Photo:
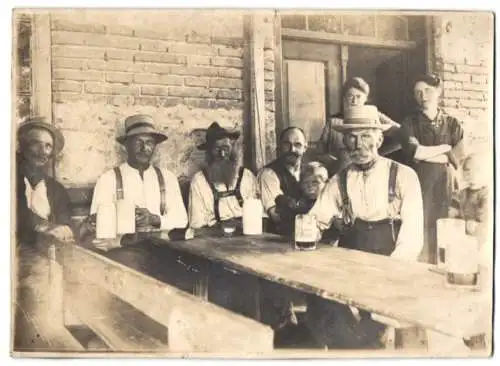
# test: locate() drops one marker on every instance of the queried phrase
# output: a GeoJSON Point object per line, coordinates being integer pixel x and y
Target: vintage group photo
{"type": "Point", "coordinates": [252, 183]}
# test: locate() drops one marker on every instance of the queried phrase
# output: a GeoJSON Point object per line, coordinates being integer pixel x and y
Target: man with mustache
{"type": "Point", "coordinates": [218, 190]}
{"type": "Point", "coordinates": [376, 204]}
{"type": "Point", "coordinates": [279, 181]}
{"type": "Point", "coordinates": [154, 191]}
{"type": "Point", "coordinates": [43, 204]}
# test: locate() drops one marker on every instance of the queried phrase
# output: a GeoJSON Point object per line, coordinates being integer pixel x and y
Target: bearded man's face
{"type": "Point", "coordinates": [223, 160]}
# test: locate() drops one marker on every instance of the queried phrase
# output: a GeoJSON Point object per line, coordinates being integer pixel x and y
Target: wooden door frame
{"type": "Point", "coordinates": [341, 40]}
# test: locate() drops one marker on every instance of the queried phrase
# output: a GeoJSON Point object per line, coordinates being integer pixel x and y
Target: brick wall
{"type": "Point", "coordinates": [463, 46]}
{"type": "Point", "coordinates": [184, 69]}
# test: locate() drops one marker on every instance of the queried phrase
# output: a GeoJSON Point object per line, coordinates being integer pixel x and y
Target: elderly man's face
{"type": "Point", "coordinates": [140, 148]}
{"type": "Point", "coordinates": [293, 146]}
{"type": "Point", "coordinates": [363, 144]}
{"type": "Point", "coordinates": [354, 97]}
{"type": "Point", "coordinates": [37, 147]}
{"type": "Point", "coordinates": [222, 150]}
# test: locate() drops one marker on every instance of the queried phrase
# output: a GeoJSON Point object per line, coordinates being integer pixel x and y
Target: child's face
{"type": "Point", "coordinates": [312, 186]}
{"type": "Point", "coordinates": [472, 174]}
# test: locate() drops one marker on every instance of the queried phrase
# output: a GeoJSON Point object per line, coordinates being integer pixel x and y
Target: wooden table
{"type": "Point", "coordinates": [407, 291]}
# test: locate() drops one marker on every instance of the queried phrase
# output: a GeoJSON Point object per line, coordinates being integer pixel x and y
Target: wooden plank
{"type": "Point", "coordinates": [278, 77]}
{"type": "Point", "coordinates": [38, 306]}
{"type": "Point", "coordinates": [257, 100]}
{"type": "Point", "coordinates": [113, 322]}
{"type": "Point", "coordinates": [322, 37]}
{"type": "Point", "coordinates": [406, 291]}
{"type": "Point", "coordinates": [41, 66]}
{"type": "Point", "coordinates": [200, 322]}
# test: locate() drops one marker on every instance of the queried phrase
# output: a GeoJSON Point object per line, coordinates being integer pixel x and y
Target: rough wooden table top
{"type": "Point", "coordinates": [407, 291]}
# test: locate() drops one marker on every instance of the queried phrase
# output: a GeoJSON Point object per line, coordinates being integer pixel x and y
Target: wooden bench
{"type": "Point", "coordinates": [132, 312]}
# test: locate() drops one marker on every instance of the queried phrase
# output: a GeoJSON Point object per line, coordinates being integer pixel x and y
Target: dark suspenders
{"type": "Point", "coordinates": [346, 202]}
{"type": "Point", "coordinates": [161, 182]}
{"type": "Point", "coordinates": [218, 195]}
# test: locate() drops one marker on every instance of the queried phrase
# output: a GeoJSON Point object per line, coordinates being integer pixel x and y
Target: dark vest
{"type": "Point", "coordinates": [288, 184]}
{"type": "Point", "coordinates": [60, 209]}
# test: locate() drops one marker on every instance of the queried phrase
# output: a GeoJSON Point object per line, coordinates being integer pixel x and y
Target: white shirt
{"type": "Point", "coordinates": [37, 199]}
{"type": "Point", "coordinates": [145, 193]}
{"type": "Point", "coordinates": [201, 199]}
{"type": "Point", "coordinates": [368, 193]}
{"type": "Point", "coordinates": [269, 185]}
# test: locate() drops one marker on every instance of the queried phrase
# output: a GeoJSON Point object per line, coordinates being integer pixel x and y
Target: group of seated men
{"type": "Point", "coordinates": [373, 205]}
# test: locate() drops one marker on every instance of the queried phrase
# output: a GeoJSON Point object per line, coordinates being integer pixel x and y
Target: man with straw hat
{"type": "Point", "coordinates": [154, 191]}
{"type": "Point", "coordinates": [376, 204]}
{"type": "Point", "coordinates": [42, 203]}
{"type": "Point", "coordinates": [43, 208]}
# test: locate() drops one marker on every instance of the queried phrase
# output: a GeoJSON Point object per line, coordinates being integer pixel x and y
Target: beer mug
{"type": "Point", "coordinates": [306, 232]}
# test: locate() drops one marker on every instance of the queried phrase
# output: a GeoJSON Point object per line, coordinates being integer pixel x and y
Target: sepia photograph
{"type": "Point", "coordinates": [272, 183]}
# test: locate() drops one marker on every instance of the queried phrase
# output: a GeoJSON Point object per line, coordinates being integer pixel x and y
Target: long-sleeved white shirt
{"type": "Point", "coordinates": [368, 193]}
{"type": "Point", "coordinates": [201, 199]}
{"type": "Point", "coordinates": [269, 186]}
{"type": "Point", "coordinates": [145, 193]}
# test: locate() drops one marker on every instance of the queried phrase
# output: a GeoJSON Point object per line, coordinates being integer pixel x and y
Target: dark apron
{"type": "Point", "coordinates": [332, 324]}
{"type": "Point", "coordinates": [437, 185]}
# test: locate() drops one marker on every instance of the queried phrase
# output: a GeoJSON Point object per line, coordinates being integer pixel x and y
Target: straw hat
{"type": "Point", "coordinates": [363, 116]}
{"type": "Point", "coordinates": [140, 124]}
{"type": "Point", "coordinates": [39, 122]}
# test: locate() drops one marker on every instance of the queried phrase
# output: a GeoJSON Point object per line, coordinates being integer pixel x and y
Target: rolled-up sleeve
{"type": "Point", "coordinates": [328, 205]}
{"type": "Point", "coordinates": [176, 215]}
{"type": "Point", "coordinates": [410, 239]}
{"type": "Point", "coordinates": [269, 186]}
{"type": "Point", "coordinates": [404, 135]}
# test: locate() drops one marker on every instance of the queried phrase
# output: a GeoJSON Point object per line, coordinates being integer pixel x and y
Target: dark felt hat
{"type": "Point", "coordinates": [39, 122]}
{"type": "Point", "coordinates": [216, 132]}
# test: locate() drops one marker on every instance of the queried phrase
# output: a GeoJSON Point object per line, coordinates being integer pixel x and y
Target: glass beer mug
{"type": "Point", "coordinates": [306, 232]}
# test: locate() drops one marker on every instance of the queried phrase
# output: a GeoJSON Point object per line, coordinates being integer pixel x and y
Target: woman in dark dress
{"type": "Point", "coordinates": [432, 141]}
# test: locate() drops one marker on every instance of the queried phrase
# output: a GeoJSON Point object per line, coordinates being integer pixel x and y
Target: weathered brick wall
{"type": "Point", "coordinates": [463, 56]}
{"type": "Point", "coordinates": [183, 68]}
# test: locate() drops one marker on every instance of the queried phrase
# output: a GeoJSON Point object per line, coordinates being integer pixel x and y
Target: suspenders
{"type": "Point", "coordinates": [218, 195]}
{"type": "Point", "coordinates": [346, 202]}
{"type": "Point", "coordinates": [161, 182]}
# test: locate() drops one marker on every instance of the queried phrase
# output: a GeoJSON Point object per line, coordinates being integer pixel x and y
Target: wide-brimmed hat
{"type": "Point", "coordinates": [39, 122]}
{"type": "Point", "coordinates": [216, 132]}
{"type": "Point", "coordinates": [141, 124]}
{"type": "Point", "coordinates": [360, 117]}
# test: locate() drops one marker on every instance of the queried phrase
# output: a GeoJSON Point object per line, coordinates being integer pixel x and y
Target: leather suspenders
{"type": "Point", "coordinates": [218, 195]}
{"type": "Point", "coordinates": [346, 202]}
{"type": "Point", "coordinates": [161, 182]}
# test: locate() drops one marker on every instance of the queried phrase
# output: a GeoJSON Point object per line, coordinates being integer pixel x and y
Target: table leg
{"type": "Point", "coordinates": [201, 284]}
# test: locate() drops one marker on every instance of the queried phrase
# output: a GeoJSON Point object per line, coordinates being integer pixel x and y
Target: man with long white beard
{"type": "Point", "coordinates": [216, 198]}
{"type": "Point", "coordinates": [217, 191]}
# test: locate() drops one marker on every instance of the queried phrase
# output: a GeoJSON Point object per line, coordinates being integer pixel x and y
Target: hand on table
{"type": "Point", "coordinates": [144, 218]}
{"type": "Point", "coordinates": [471, 227]}
{"type": "Point", "coordinates": [62, 233]}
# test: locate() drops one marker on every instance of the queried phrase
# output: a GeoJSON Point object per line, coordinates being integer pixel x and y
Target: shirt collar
{"type": "Point", "coordinates": [295, 172]}
{"type": "Point", "coordinates": [436, 121]}
{"type": "Point", "coordinates": [126, 165]}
